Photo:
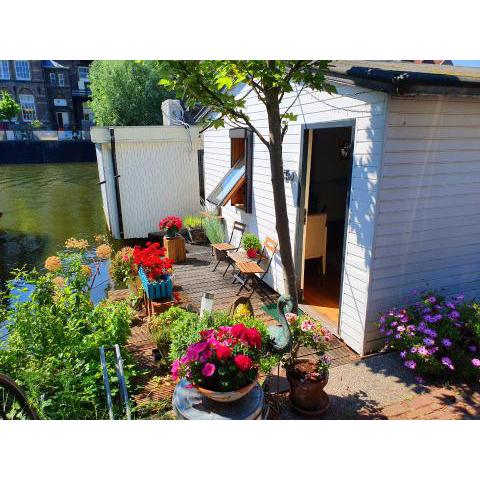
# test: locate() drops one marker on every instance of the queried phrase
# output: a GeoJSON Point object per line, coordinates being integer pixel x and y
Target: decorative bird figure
{"type": "Point", "coordinates": [280, 334]}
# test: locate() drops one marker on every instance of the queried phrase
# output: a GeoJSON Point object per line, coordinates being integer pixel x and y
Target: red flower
{"type": "Point", "coordinates": [170, 223]}
{"type": "Point", "coordinates": [223, 352]}
{"type": "Point", "coordinates": [238, 330]}
{"type": "Point", "coordinates": [253, 337]}
{"type": "Point", "coordinates": [152, 259]}
{"type": "Point", "coordinates": [243, 362]}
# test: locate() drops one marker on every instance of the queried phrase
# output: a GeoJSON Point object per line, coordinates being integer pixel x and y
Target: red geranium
{"type": "Point", "coordinates": [223, 352]}
{"type": "Point", "coordinates": [243, 362]}
{"type": "Point", "coordinates": [170, 224]}
{"type": "Point", "coordinates": [253, 337]}
{"type": "Point", "coordinates": [238, 330]}
{"type": "Point", "coordinates": [152, 260]}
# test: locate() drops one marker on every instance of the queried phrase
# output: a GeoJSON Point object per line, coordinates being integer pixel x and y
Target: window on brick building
{"type": "Point", "coordinates": [22, 70]}
{"type": "Point", "coordinates": [4, 70]}
{"type": "Point", "coordinates": [27, 103]}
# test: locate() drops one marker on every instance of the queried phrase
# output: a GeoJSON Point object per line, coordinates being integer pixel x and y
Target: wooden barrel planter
{"type": "Point", "coordinates": [175, 247]}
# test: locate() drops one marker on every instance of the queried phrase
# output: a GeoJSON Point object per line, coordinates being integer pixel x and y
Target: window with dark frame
{"type": "Point", "coordinates": [236, 185]}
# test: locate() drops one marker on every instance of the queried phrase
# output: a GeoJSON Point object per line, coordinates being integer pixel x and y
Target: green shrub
{"type": "Point", "coordinates": [52, 347]}
{"type": "Point", "coordinates": [193, 221]}
{"type": "Point", "coordinates": [214, 230]}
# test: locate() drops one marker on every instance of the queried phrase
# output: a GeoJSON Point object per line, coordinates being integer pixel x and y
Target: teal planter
{"type": "Point", "coordinates": [160, 290]}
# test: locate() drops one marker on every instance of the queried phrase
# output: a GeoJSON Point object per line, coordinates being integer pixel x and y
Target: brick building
{"type": "Point", "coordinates": [53, 92]}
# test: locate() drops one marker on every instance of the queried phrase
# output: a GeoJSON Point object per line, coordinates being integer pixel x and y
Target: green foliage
{"type": "Point", "coordinates": [214, 230]}
{"type": "Point", "coordinates": [210, 83]}
{"type": "Point", "coordinates": [36, 124]}
{"type": "Point", "coordinates": [250, 240]}
{"type": "Point", "coordinates": [53, 341]}
{"type": "Point", "coordinates": [126, 92]}
{"type": "Point", "coordinates": [185, 328]}
{"type": "Point", "coordinates": [9, 108]}
{"type": "Point", "coordinates": [193, 221]}
{"type": "Point", "coordinates": [122, 268]}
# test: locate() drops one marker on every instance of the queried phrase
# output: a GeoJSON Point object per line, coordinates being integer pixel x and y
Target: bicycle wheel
{"type": "Point", "coordinates": [13, 402]}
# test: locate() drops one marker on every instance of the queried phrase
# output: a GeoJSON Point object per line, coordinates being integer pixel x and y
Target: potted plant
{"type": "Point", "coordinates": [124, 271]}
{"type": "Point", "coordinates": [215, 233]}
{"type": "Point", "coordinates": [171, 225]}
{"type": "Point", "coordinates": [308, 378]}
{"type": "Point", "coordinates": [251, 245]}
{"type": "Point", "coordinates": [155, 270]}
{"type": "Point", "coordinates": [224, 364]}
{"type": "Point", "coordinates": [194, 226]}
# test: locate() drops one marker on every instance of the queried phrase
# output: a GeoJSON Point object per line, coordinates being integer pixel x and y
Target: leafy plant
{"type": "Point", "coordinates": [122, 267]}
{"type": "Point", "coordinates": [185, 328]}
{"type": "Point", "coordinates": [214, 230]}
{"type": "Point", "coordinates": [251, 241]}
{"type": "Point", "coordinates": [126, 92]}
{"type": "Point", "coordinates": [9, 108]}
{"type": "Point", "coordinates": [193, 221]}
{"type": "Point", "coordinates": [436, 335]}
{"type": "Point", "coordinates": [52, 347]}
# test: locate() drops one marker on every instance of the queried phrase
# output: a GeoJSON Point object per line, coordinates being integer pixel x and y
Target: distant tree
{"type": "Point", "coordinates": [126, 92]}
{"type": "Point", "coordinates": [210, 82]}
{"type": "Point", "coordinates": [9, 108]}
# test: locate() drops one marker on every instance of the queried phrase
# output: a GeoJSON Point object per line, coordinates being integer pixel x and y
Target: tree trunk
{"type": "Point", "coordinates": [279, 199]}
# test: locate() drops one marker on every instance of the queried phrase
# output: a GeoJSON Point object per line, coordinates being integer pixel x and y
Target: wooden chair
{"type": "Point", "coordinates": [221, 249]}
{"type": "Point", "coordinates": [316, 238]}
{"type": "Point", "coordinates": [253, 272]}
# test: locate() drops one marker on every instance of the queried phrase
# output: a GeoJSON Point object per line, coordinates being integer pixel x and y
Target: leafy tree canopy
{"type": "Point", "coordinates": [9, 108]}
{"type": "Point", "coordinates": [126, 92]}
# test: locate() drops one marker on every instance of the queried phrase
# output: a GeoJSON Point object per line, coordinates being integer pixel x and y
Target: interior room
{"type": "Point", "coordinates": [328, 184]}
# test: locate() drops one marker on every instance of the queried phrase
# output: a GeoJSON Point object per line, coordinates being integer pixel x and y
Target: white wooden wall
{"type": "Point", "coordinates": [368, 109]}
{"type": "Point", "coordinates": [428, 216]}
{"type": "Point", "coordinates": [158, 170]}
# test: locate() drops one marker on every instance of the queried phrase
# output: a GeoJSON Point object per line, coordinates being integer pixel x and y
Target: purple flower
{"type": "Point", "coordinates": [428, 341]}
{"type": "Point", "coordinates": [208, 370]}
{"type": "Point", "coordinates": [422, 326]}
{"type": "Point", "coordinates": [472, 348]}
{"type": "Point", "coordinates": [446, 342]}
{"type": "Point", "coordinates": [431, 299]}
{"type": "Point", "coordinates": [454, 315]}
{"type": "Point", "coordinates": [410, 364]}
{"type": "Point", "coordinates": [432, 350]}
{"type": "Point", "coordinates": [382, 330]}
{"type": "Point", "coordinates": [476, 362]}
{"type": "Point", "coordinates": [420, 379]}
{"type": "Point", "coordinates": [448, 363]}
{"type": "Point", "coordinates": [389, 333]}
{"type": "Point", "coordinates": [428, 318]}
{"type": "Point", "coordinates": [451, 305]}
{"type": "Point", "coordinates": [400, 328]}
{"type": "Point", "coordinates": [394, 324]}
{"type": "Point", "coordinates": [411, 328]}
{"type": "Point", "coordinates": [382, 320]}
{"type": "Point", "coordinates": [459, 297]}
{"type": "Point", "coordinates": [423, 351]}
{"type": "Point", "coordinates": [437, 317]}
{"type": "Point", "coordinates": [403, 354]}
{"type": "Point", "coordinates": [430, 332]}
{"type": "Point", "coordinates": [427, 310]}
{"type": "Point", "coordinates": [397, 336]}
{"type": "Point", "coordinates": [413, 350]}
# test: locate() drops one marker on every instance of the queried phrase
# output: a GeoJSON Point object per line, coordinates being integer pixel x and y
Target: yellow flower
{"type": "Point", "coordinates": [59, 282]}
{"type": "Point", "coordinates": [52, 264]}
{"type": "Point", "coordinates": [80, 244]}
{"type": "Point", "coordinates": [242, 311]}
{"type": "Point", "coordinates": [99, 238]}
{"type": "Point", "coordinates": [104, 251]}
{"type": "Point", "coordinates": [86, 270]}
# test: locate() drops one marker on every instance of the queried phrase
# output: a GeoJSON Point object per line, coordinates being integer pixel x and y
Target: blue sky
{"type": "Point", "coordinates": [467, 63]}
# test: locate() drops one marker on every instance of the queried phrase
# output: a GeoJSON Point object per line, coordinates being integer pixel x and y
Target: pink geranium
{"type": "Point", "coordinates": [208, 369]}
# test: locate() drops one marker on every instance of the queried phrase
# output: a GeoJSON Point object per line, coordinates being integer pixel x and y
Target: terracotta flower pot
{"type": "Point", "coordinates": [226, 397]}
{"type": "Point", "coordinates": [308, 398]}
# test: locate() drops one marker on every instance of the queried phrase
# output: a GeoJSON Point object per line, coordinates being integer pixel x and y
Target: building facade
{"type": "Point", "coordinates": [53, 92]}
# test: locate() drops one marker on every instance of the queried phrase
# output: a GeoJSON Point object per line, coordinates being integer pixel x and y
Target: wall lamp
{"type": "Point", "coordinates": [289, 175]}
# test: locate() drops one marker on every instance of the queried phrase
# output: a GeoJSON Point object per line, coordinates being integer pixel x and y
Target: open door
{"type": "Point", "coordinates": [327, 193]}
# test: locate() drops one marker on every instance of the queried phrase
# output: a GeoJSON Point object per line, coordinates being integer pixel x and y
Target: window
{"type": "Point", "coordinates": [22, 70]}
{"type": "Point", "coordinates": [236, 185]}
{"type": "Point", "coordinates": [61, 80]}
{"type": "Point", "coordinates": [27, 102]}
{"type": "Point", "coordinates": [4, 70]}
{"type": "Point", "coordinates": [83, 73]}
{"type": "Point", "coordinates": [53, 79]}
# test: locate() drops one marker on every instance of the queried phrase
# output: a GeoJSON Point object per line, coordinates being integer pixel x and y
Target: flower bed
{"type": "Point", "coordinates": [436, 335]}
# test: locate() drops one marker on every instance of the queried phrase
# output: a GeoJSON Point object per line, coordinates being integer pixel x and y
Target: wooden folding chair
{"type": "Point", "coordinates": [253, 272]}
{"type": "Point", "coordinates": [221, 249]}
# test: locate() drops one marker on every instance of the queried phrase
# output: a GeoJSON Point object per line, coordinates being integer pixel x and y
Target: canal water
{"type": "Point", "coordinates": [44, 204]}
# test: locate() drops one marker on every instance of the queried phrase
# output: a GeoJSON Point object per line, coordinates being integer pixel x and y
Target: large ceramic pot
{"type": "Point", "coordinates": [308, 398]}
{"type": "Point", "coordinates": [226, 397]}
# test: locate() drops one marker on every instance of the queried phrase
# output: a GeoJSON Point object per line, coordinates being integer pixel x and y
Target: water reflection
{"type": "Point", "coordinates": [43, 205]}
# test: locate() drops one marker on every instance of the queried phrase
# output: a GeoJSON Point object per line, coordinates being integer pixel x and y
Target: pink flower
{"type": "Point", "coordinates": [208, 370]}
{"type": "Point", "coordinates": [175, 369]}
{"type": "Point", "coordinates": [306, 325]}
{"type": "Point", "coordinates": [476, 362]}
{"type": "Point", "coordinates": [291, 317]}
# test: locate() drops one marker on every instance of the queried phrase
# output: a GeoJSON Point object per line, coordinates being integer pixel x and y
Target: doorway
{"type": "Point", "coordinates": [327, 193]}
{"type": "Point", "coordinates": [62, 120]}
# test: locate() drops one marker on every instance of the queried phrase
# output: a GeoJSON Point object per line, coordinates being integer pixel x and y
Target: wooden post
{"type": "Point", "coordinates": [175, 248]}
